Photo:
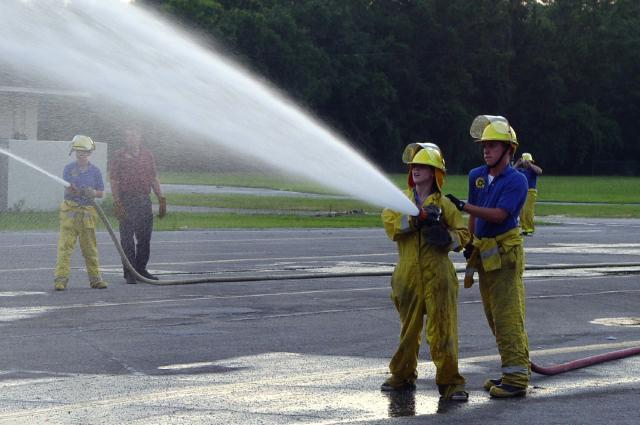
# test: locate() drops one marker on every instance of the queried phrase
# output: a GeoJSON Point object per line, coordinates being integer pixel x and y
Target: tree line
{"type": "Point", "coordinates": [385, 73]}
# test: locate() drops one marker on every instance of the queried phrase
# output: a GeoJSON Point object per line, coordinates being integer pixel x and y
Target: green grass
{"type": "Point", "coordinates": [596, 211]}
{"type": "Point", "coordinates": [269, 202]}
{"type": "Point", "coordinates": [615, 191]}
{"type": "Point", "coordinates": [190, 221]}
{"type": "Point", "coordinates": [18, 221]}
{"type": "Point", "coordinates": [589, 189]}
{"type": "Point", "coordinates": [608, 189]}
{"type": "Point", "coordinates": [242, 179]}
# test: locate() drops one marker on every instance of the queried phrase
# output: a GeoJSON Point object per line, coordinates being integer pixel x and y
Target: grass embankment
{"type": "Point", "coordinates": [616, 192]}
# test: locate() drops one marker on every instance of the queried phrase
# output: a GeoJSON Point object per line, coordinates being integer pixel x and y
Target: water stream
{"type": "Point", "coordinates": [128, 56]}
{"type": "Point", "coordinates": [35, 167]}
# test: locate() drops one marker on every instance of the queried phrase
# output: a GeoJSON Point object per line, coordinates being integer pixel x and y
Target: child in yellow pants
{"type": "Point", "coordinates": [78, 215]}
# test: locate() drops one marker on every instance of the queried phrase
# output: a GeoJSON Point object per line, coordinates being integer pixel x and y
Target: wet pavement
{"type": "Point", "coordinates": [311, 351]}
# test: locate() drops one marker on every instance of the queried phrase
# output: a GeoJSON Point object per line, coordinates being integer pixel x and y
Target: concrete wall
{"type": "Point", "coordinates": [23, 188]}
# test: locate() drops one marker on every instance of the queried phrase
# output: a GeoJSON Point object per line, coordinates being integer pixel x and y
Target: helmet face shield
{"type": "Point", "coordinates": [493, 127]}
{"type": "Point", "coordinates": [82, 144]}
{"type": "Point", "coordinates": [482, 121]}
{"type": "Point", "coordinates": [412, 149]}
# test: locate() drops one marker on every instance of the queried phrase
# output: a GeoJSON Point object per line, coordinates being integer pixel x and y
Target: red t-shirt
{"type": "Point", "coordinates": [133, 174]}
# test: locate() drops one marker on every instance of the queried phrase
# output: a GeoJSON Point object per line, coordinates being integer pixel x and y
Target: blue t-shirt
{"type": "Point", "coordinates": [508, 191]}
{"type": "Point", "coordinates": [532, 177]}
{"type": "Point", "coordinates": [92, 178]}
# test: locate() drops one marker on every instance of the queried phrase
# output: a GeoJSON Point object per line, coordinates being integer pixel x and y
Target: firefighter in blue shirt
{"type": "Point", "coordinates": [78, 216]}
{"type": "Point", "coordinates": [496, 194]}
{"type": "Point", "coordinates": [531, 171]}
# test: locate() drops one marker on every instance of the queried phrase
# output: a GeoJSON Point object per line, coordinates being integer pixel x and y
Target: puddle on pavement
{"type": "Point", "coordinates": [617, 321]}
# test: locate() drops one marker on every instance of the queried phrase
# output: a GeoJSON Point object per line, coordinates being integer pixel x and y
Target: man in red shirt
{"type": "Point", "coordinates": [133, 175]}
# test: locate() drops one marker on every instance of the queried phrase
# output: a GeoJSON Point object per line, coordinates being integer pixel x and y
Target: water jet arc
{"type": "Point", "coordinates": [143, 65]}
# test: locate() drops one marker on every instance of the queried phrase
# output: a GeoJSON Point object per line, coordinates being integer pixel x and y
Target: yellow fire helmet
{"type": "Point", "coordinates": [493, 127]}
{"type": "Point", "coordinates": [82, 143]}
{"type": "Point", "coordinates": [527, 157]}
{"type": "Point", "coordinates": [412, 149]}
{"type": "Point", "coordinates": [428, 155]}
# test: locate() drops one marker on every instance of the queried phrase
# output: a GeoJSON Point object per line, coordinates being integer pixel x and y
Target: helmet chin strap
{"type": "Point", "coordinates": [499, 160]}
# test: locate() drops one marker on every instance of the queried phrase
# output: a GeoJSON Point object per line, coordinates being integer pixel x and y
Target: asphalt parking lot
{"type": "Point", "coordinates": [304, 351]}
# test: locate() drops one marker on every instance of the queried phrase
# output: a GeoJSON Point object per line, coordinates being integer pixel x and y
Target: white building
{"type": "Point", "coordinates": [21, 187]}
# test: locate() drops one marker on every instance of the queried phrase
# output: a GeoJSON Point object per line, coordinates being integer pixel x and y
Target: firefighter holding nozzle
{"type": "Point", "coordinates": [424, 282]}
{"type": "Point", "coordinates": [78, 215]}
{"type": "Point", "coordinates": [497, 193]}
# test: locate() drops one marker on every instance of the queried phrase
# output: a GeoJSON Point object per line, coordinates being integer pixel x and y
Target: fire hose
{"type": "Point", "coordinates": [551, 370]}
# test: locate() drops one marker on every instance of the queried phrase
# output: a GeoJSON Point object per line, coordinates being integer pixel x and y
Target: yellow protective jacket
{"type": "Point", "coordinates": [399, 227]}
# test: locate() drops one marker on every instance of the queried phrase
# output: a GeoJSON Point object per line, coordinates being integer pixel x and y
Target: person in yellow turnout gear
{"type": "Point", "coordinates": [496, 195]}
{"type": "Point", "coordinates": [77, 215]}
{"type": "Point", "coordinates": [531, 171]}
{"type": "Point", "coordinates": [424, 282]}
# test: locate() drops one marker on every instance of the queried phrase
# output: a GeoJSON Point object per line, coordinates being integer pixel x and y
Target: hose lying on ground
{"type": "Point", "coordinates": [587, 361]}
{"type": "Point", "coordinates": [263, 277]}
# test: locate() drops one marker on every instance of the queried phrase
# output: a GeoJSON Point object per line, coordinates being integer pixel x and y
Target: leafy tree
{"type": "Point", "coordinates": [389, 72]}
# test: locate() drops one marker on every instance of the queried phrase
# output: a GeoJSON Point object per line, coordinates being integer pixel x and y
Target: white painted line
{"type": "Point", "coordinates": [20, 293]}
{"type": "Point", "coordinates": [17, 313]}
{"type": "Point", "coordinates": [201, 241]}
{"type": "Point", "coordinates": [184, 366]}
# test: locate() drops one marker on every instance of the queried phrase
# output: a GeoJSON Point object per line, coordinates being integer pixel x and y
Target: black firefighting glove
{"type": "Point", "coordinates": [437, 235]}
{"type": "Point", "coordinates": [457, 202]}
{"type": "Point", "coordinates": [87, 193]}
{"type": "Point", "coordinates": [468, 251]}
{"type": "Point", "coordinates": [433, 214]}
{"type": "Point", "coordinates": [435, 232]}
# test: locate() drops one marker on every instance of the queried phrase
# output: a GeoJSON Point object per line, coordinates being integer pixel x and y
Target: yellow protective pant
{"type": "Point", "coordinates": [77, 223]}
{"type": "Point", "coordinates": [503, 298]}
{"type": "Point", "coordinates": [528, 211]}
{"type": "Point", "coordinates": [431, 291]}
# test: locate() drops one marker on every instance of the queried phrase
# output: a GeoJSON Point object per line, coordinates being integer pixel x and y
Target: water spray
{"type": "Point", "coordinates": [127, 57]}
{"type": "Point", "coordinates": [35, 167]}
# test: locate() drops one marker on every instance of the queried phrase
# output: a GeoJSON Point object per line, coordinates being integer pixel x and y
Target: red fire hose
{"type": "Point", "coordinates": [587, 361]}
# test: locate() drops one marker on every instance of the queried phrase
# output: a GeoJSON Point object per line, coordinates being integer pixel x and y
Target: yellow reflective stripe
{"type": "Point", "coordinates": [485, 255]}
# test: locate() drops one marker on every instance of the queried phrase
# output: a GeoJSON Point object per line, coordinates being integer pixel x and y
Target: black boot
{"type": "Point", "coordinates": [145, 273]}
{"type": "Point", "coordinates": [129, 278]}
